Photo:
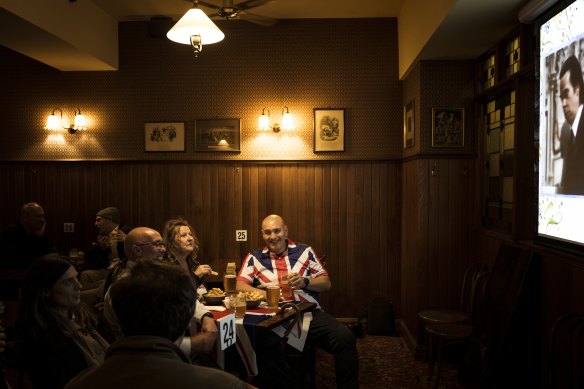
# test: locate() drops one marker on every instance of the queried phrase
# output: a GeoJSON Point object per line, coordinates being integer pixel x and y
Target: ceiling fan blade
{"type": "Point", "coordinates": [257, 19]}
{"type": "Point", "coordinates": [209, 5]}
{"type": "Point", "coordinates": [251, 4]}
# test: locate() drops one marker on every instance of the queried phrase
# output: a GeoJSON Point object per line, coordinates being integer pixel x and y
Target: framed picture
{"type": "Point", "coordinates": [162, 137]}
{"type": "Point", "coordinates": [409, 125]}
{"type": "Point", "coordinates": [217, 135]}
{"type": "Point", "coordinates": [447, 127]}
{"type": "Point", "coordinates": [329, 129]}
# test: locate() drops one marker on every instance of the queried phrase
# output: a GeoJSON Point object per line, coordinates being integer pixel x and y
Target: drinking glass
{"type": "Point", "coordinates": [273, 296]}
{"type": "Point", "coordinates": [229, 283]}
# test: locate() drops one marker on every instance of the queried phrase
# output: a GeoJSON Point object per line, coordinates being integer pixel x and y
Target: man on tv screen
{"type": "Point", "coordinates": [572, 133]}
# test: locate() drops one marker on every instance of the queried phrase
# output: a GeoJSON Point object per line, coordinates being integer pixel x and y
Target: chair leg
{"type": "Point", "coordinates": [440, 360]}
{"type": "Point", "coordinates": [430, 354]}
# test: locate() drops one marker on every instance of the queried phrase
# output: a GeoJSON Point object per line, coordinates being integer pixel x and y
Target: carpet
{"type": "Point", "coordinates": [385, 361]}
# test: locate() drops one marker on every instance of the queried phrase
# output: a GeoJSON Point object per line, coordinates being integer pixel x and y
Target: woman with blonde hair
{"type": "Point", "coordinates": [182, 248]}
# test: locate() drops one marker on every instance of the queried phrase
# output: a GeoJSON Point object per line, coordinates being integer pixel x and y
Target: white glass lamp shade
{"type": "Point", "coordinates": [264, 122]}
{"type": "Point", "coordinates": [287, 121]}
{"type": "Point", "coordinates": [54, 123]}
{"type": "Point", "coordinates": [195, 22]}
{"type": "Point", "coordinates": [80, 122]}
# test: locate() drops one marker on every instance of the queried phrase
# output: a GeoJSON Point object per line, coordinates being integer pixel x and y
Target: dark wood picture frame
{"type": "Point", "coordinates": [329, 129]}
{"type": "Point", "coordinates": [218, 135]}
{"type": "Point", "coordinates": [164, 137]}
{"type": "Point", "coordinates": [447, 127]}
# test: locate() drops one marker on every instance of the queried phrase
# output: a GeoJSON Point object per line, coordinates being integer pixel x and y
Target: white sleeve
{"type": "Point", "coordinates": [200, 310]}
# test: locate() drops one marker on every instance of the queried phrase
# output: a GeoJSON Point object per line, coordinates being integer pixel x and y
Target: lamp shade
{"type": "Point", "coordinates": [287, 121]}
{"type": "Point", "coordinates": [195, 22]}
{"type": "Point", "coordinates": [264, 122]}
{"type": "Point", "coordinates": [53, 123]}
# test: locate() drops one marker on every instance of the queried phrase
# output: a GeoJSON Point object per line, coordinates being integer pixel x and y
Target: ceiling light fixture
{"type": "Point", "coordinates": [264, 121]}
{"type": "Point", "coordinates": [195, 29]}
{"type": "Point", "coordinates": [55, 123]}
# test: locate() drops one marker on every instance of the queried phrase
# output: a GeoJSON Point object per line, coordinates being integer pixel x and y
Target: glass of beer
{"type": "Point", "coordinates": [229, 282]}
{"type": "Point", "coordinates": [273, 296]}
{"type": "Point", "coordinates": [286, 290]}
{"type": "Point", "coordinates": [237, 305]}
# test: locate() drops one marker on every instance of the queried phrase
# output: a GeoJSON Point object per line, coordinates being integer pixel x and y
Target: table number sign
{"type": "Point", "coordinates": [227, 333]}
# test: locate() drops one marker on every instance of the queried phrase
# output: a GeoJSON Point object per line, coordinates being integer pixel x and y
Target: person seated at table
{"type": "Point", "coordinates": [56, 330]}
{"type": "Point", "coordinates": [182, 248]}
{"type": "Point", "coordinates": [26, 240]}
{"type": "Point", "coordinates": [144, 244]}
{"type": "Point", "coordinates": [107, 251]}
{"type": "Point", "coordinates": [296, 265]}
{"type": "Point", "coordinates": [154, 306]}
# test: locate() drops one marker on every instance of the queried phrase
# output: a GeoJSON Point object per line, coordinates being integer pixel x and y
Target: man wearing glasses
{"type": "Point", "coordinates": [146, 244]}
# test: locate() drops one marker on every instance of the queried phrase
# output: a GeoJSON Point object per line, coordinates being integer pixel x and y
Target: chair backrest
{"type": "Point", "coordinates": [566, 350]}
{"type": "Point", "coordinates": [468, 284]}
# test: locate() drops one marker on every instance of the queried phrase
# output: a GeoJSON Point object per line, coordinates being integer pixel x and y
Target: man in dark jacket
{"type": "Point", "coordinates": [24, 241]}
{"type": "Point", "coordinates": [154, 306]}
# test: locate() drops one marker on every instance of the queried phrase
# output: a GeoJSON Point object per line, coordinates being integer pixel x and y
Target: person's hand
{"type": "Point", "coordinates": [295, 280]}
{"type": "Point", "coordinates": [117, 236]}
{"type": "Point", "coordinates": [203, 270]}
{"type": "Point", "coordinates": [103, 241]}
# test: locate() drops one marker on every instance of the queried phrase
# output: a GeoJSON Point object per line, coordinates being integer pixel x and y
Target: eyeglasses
{"type": "Point", "coordinates": [157, 244]}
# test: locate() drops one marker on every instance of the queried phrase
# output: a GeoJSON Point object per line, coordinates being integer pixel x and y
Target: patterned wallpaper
{"type": "Point", "coordinates": [440, 84]}
{"type": "Point", "coordinates": [302, 64]}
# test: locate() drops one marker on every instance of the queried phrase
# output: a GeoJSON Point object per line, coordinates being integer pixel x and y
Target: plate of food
{"type": "Point", "coordinates": [252, 299]}
{"type": "Point", "coordinates": [214, 297]}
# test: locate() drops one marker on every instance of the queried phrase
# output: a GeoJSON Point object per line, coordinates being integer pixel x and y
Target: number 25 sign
{"type": "Point", "coordinates": [227, 333]}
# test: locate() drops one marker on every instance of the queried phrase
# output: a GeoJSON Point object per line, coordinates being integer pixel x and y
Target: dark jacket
{"type": "Point", "coordinates": [19, 248]}
{"type": "Point", "coordinates": [151, 362]}
{"type": "Point", "coordinates": [51, 360]}
{"type": "Point", "coordinates": [97, 258]}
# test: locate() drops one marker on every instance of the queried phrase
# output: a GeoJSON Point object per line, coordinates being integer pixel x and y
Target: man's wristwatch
{"type": "Point", "coordinates": [207, 314]}
{"type": "Point", "coordinates": [306, 282]}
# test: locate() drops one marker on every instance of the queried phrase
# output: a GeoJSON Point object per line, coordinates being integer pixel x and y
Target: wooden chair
{"type": "Point", "coordinates": [566, 350]}
{"type": "Point", "coordinates": [441, 335]}
{"type": "Point", "coordinates": [444, 316]}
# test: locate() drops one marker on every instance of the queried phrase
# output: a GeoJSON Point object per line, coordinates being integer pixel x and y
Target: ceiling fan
{"type": "Point", "coordinates": [231, 11]}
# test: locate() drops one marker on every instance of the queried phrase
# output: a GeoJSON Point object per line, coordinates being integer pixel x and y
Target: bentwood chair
{"type": "Point", "coordinates": [462, 314]}
{"type": "Point", "coordinates": [441, 335]}
{"type": "Point", "coordinates": [566, 350]}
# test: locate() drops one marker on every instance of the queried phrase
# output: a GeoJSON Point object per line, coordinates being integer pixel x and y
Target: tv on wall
{"type": "Point", "coordinates": [560, 129]}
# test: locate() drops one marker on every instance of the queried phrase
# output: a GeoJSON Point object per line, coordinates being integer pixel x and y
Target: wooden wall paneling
{"type": "Point", "coordinates": [344, 210]}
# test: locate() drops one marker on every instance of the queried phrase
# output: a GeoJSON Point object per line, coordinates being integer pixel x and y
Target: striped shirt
{"type": "Point", "coordinates": [262, 268]}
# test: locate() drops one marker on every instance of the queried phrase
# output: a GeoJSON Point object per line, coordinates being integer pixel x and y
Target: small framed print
{"type": "Point", "coordinates": [217, 135]}
{"type": "Point", "coordinates": [409, 125]}
{"type": "Point", "coordinates": [447, 127]}
{"type": "Point", "coordinates": [329, 129]}
{"type": "Point", "coordinates": [164, 137]}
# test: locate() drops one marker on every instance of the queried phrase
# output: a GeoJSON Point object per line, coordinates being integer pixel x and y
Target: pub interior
{"type": "Point", "coordinates": [398, 214]}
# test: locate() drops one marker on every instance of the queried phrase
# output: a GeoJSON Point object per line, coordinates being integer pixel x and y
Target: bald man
{"type": "Point", "coordinates": [298, 263]}
{"type": "Point", "coordinates": [145, 244]}
{"type": "Point", "coordinates": [24, 241]}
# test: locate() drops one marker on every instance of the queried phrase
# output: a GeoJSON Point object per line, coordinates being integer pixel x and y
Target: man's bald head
{"type": "Point", "coordinates": [275, 233]}
{"type": "Point", "coordinates": [143, 243]}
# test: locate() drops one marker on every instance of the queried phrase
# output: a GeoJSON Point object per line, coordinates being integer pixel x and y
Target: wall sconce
{"type": "Point", "coordinates": [55, 122]}
{"type": "Point", "coordinates": [287, 121]}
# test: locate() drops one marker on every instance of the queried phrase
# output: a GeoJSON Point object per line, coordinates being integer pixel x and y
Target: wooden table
{"type": "Point", "coordinates": [244, 347]}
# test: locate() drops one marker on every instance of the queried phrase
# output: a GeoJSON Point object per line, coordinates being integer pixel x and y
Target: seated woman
{"type": "Point", "coordinates": [182, 248]}
{"type": "Point", "coordinates": [56, 330]}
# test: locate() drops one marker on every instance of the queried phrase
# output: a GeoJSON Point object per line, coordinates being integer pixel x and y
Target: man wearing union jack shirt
{"type": "Point", "coordinates": [300, 274]}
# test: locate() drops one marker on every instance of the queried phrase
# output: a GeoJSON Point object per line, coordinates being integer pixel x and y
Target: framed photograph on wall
{"type": "Point", "coordinates": [217, 135]}
{"type": "Point", "coordinates": [329, 129]}
{"type": "Point", "coordinates": [409, 125]}
{"type": "Point", "coordinates": [164, 137]}
{"type": "Point", "coordinates": [447, 127]}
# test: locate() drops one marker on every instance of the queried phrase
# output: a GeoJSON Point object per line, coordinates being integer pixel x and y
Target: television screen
{"type": "Point", "coordinates": [561, 126]}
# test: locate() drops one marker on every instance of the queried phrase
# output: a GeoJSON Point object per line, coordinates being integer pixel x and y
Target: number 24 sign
{"type": "Point", "coordinates": [227, 334]}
